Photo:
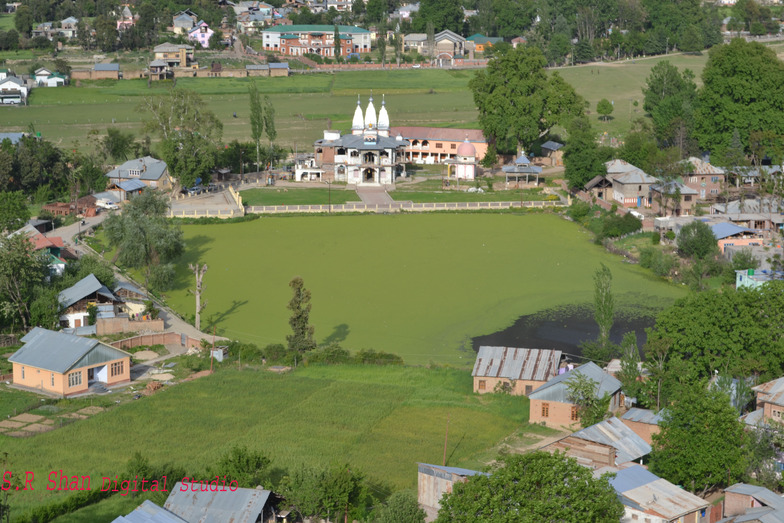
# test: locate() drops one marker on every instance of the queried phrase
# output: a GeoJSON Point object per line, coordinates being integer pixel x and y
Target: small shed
{"type": "Point", "coordinates": [279, 69]}
{"type": "Point", "coordinates": [433, 481]}
{"type": "Point", "coordinates": [240, 505]}
{"type": "Point", "coordinates": [552, 150]}
{"type": "Point", "coordinates": [126, 189]}
{"type": "Point", "coordinates": [644, 422]}
{"type": "Point", "coordinates": [599, 187]}
{"type": "Point", "coordinates": [520, 370]}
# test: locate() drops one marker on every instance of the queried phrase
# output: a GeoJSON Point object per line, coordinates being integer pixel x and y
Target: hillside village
{"type": "Point", "coordinates": [284, 326]}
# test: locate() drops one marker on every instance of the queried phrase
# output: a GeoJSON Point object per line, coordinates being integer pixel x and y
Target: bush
{"type": "Point", "coordinates": [578, 210]}
{"type": "Point", "coordinates": [371, 357]}
{"type": "Point", "coordinates": [655, 238]}
{"type": "Point", "coordinates": [331, 354]}
{"type": "Point", "coordinates": [670, 235]}
{"type": "Point", "coordinates": [614, 226]}
{"type": "Point", "coordinates": [656, 260]}
{"type": "Point", "coordinates": [279, 354]}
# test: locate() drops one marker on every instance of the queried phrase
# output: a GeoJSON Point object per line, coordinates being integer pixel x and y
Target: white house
{"type": "Point", "coordinates": [13, 90]}
{"type": "Point", "coordinates": [46, 78]}
{"type": "Point", "coordinates": [201, 34]}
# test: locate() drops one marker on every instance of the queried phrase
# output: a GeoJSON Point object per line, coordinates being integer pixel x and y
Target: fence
{"type": "Point", "coordinates": [395, 207]}
{"type": "Point", "coordinates": [235, 196]}
{"type": "Point", "coordinates": [6, 340]}
{"type": "Point", "coordinates": [6, 377]}
{"type": "Point", "coordinates": [105, 326]}
{"type": "Point", "coordinates": [165, 338]}
{"type": "Point", "coordinates": [223, 214]}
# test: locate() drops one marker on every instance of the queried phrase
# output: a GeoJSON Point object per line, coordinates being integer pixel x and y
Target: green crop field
{"type": "Point", "coordinates": [381, 420]}
{"type": "Point", "coordinates": [6, 22]}
{"type": "Point", "coordinates": [309, 196]}
{"type": "Point", "coordinates": [416, 285]}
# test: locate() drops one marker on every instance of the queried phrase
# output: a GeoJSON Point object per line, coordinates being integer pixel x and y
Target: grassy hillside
{"type": "Point", "coordinates": [381, 420]}
{"type": "Point", "coordinates": [416, 285]}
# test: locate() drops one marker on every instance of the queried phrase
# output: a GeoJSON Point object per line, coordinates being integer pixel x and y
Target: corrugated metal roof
{"type": "Point", "coordinates": [761, 494]}
{"type": "Point", "coordinates": [757, 515]}
{"type": "Point", "coordinates": [556, 388]}
{"type": "Point", "coordinates": [128, 287]}
{"type": "Point", "coordinates": [84, 287]}
{"type": "Point", "coordinates": [702, 167]}
{"type": "Point", "coordinates": [148, 168]}
{"type": "Point", "coordinates": [628, 445]}
{"type": "Point", "coordinates": [106, 67]}
{"type": "Point", "coordinates": [244, 505]}
{"type": "Point", "coordinates": [640, 488]}
{"type": "Point", "coordinates": [59, 352]}
{"type": "Point", "coordinates": [727, 229]}
{"type": "Point", "coordinates": [636, 176]}
{"type": "Point", "coordinates": [619, 167]}
{"type": "Point", "coordinates": [643, 416]}
{"type": "Point", "coordinates": [671, 187]}
{"type": "Point", "coordinates": [516, 363]}
{"type": "Point", "coordinates": [445, 472]}
{"type": "Point", "coordinates": [551, 145]}
{"type": "Point", "coordinates": [149, 512]}
{"type": "Point", "coordinates": [131, 185]}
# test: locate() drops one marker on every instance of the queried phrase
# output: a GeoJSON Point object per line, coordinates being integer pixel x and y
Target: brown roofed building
{"type": "Point", "coordinates": [521, 371]}
{"type": "Point", "coordinates": [436, 144]}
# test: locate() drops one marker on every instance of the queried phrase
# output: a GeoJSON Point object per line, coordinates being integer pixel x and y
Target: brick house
{"type": "Point", "coordinates": [64, 365]}
{"type": "Point", "coordinates": [770, 403]}
{"type": "Point", "coordinates": [743, 502]}
{"type": "Point", "coordinates": [644, 422]}
{"type": "Point", "coordinates": [550, 403]}
{"type": "Point", "coordinates": [152, 172]}
{"type": "Point", "coordinates": [708, 180]}
{"type": "Point", "coordinates": [431, 145]}
{"type": "Point", "coordinates": [672, 198]}
{"type": "Point", "coordinates": [316, 39]}
{"type": "Point", "coordinates": [633, 189]}
{"type": "Point", "coordinates": [433, 481]}
{"type": "Point", "coordinates": [520, 370]}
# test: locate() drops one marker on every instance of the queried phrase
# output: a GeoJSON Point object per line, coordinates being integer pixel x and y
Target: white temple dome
{"type": "Point", "coordinates": [383, 116]}
{"type": "Point", "coordinates": [357, 124]}
{"type": "Point", "coordinates": [370, 115]}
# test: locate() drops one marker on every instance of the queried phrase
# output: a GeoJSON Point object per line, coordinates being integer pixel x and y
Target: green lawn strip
{"type": "Point", "coordinates": [6, 21]}
{"type": "Point", "coordinates": [381, 420]}
{"type": "Point", "coordinates": [13, 401]}
{"type": "Point", "coordinates": [464, 196]}
{"type": "Point", "coordinates": [308, 196]}
{"type": "Point", "coordinates": [418, 290]}
{"type": "Point", "coordinates": [105, 511]}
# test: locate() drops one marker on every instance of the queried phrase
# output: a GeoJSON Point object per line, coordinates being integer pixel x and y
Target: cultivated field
{"type": "Point", "coordinates": [416, 285]}
{"type": "Point", "coordinates": [381, 420]}
{"type": "Point", "coordinates": [307, 104]}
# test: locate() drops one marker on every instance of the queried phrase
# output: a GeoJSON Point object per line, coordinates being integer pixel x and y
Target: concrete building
{"type": "Point", "coordinates": [297, 40]}
{"type": "Point", "coordinates": [672, 198]}
{"type": "Point", "coordinates": [520, 370]}
{"type": "Point", "coordinates": [754, 279]}
{"type": "Point", "coordinates": [432, 145]}
{"type": "Point", "coordinates": [63, 365]}
{"type": "Point", "coordinates": [152, 172]}
{"type": "Point", "coordinates": [708, 180]}
{"type": "Point", "coordinates": [75, 300]}
{"type": "Point", "coordinates": [745, 503]}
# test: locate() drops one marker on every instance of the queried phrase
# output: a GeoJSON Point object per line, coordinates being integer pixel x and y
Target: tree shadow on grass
{"type": "Point", "coordinates": [195, 249]}
{"type": "Point", "coordinates": [215, 319]}
{"type": "Point", "coordinates": [339, 333]}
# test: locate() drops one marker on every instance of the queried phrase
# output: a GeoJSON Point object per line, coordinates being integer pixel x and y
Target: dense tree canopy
{"type": "Point", "coordinates": [735, 331]}
{"type": "Point", "coordinates": [670, 99]}
{"type": "Point", "coordinates": [700, 445]}
{"type": "Point", "coordinates": [743, 89]}
{"type": "Point", "coordinates": [517, 99]}
{"type": "Point", "coordinates": [14, 212]}
{"type": "Point", "coordinates": [696, 240]}
{"type": "Point", "coordinates": [582, 158]}
{"type": "Point", "coordinates": [532, 487]}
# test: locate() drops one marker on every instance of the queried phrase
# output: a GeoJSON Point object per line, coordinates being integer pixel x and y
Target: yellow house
{"type": "Point", "coordinates": [64, 365]}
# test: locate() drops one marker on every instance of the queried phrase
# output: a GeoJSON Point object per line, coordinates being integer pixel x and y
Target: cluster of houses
{"type": "Point", "coordinates": [14, 89]}
{"type": "Point", "coordinates": [618, 444]}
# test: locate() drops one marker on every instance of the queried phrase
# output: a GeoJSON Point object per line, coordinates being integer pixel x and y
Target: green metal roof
{"type": "Point", "coordinates": [316, 28]}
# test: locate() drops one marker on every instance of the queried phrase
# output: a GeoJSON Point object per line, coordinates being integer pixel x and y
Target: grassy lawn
{"type": "Point", "coordinates": [433, 191]}
{"type": "Point", "coordinates": [6, 22]}
{"type": "Point", "coordinates": [381, 420]}
{"type": "Point", "coordinates": [104, 511]}
{"type": "Point", "coordinates": [309, 196]}
{"type": "Point", "coordinates": [416, 285]}
{"type": "Point", "coordinates": [13, 402]}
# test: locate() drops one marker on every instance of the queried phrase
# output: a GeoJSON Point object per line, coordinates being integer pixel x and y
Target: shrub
{"type": "Point", "coordinates": [331, 354]}
{"type": "Point", "coordinates": [614, 226]}
{"type": "Point", "coordinates": [670, 235]}
{"type": "Point", "coordinates": [656, 260]}
{"type": "Point", "coordinates": [371, 357]}
{"type": "Point", "coordinates": [655, 238]}
{"type": "Point", "coordinates": [578, 210]}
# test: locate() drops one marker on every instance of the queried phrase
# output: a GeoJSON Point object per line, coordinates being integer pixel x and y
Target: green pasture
{"type": "Point", "coordinates": [416, 285]}
{"type": "Point", "coordinates": [310, 196]}
{"type": "Point", "coordinates": [6, 22]}
{"type": "Point", "coordinates": [381, 420]}
{"type": "Point", "coordinates": [621, 83]}
{"type": "Point", "coordinates": [432, 191]}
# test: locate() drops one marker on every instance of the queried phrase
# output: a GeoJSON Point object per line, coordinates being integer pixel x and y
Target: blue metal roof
{"type": "Point", "coordinates": [106, 67]}
{"type": "Point", "coordinates": [727, 229]}
{"type": "Point", "coordinates": [643, 416]}
{"type": "Point", "coordinates": [14, 137]}
{"type": "Point", "coordinates": [149, 512]}
{"type": "Point", "coordinates": [59, 352]}
{"type": "Point", "coordinates": [131, 185]}
{"type": "Point", "coordinates": [244, 505]}
{"type": "Point", "coordinates": [631, 478]}
{"type": "Point", "coordinates": [556, 388]}
{"type": "Point", "coordinates": [761, 494]}
{"type": "Point", "coordinates": [551, 145]}
{"type": "Point", "coordinates": [443, 472]}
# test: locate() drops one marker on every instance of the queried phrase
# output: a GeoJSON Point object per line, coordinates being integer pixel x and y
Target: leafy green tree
{"type": "Point", "coordinates": [146, 239]}
{"type": "Point", "coordinates": [376, 10]}
{"type": "Point", "coordinates": [331, 494]}
{"type": "Point", "coordinates": [443, 14]}
{"type": "Point", "coordinates": [518, 100]}
{"type": "Point", "coordinates": [670, 97]}
{"type": "Point", "coordinates": [582, 159]}
{"type": "Point", "coordinates": [23, 20]}
{"type": "Point", "coordinates": [401, 507]}
{"type": "Point", "coordinates": [533, 487]}
{"type": "Point", "coordinates": [22, 270]}
{"type": "Point", "coordinates": [14, 212]}
{"type": "Point", "coordinates": [583, 392]}
{"type": "Point", "coordinates": [741, 261]}
{"type": "Point", "coordinates": [701, 442]}
{"type": "Point", "coordinates": [630, 375]}
{"type": "Point", "coordinates": [249, 468]}
{"type": "Point", "coordinates": [86, 265]}
{"type": "Point", "coordinates": [724, 106]}
{"type": "Point", "coordinates": [696, 240]}
{"type": "Point", "coordinates": [605, 108]}
{"type": "Point", "coordinates": [301, 339]}
{"type": "Point", "coordinates": [256, 120]}
{"type": "Point", "coordinates": [269, 120]}
{"type": "Point", "coordinates": [603, 303]}
{"type": "Point", "coordinates": [105, 33]}
{"type": "Point", "coordinates": [117, 144]}
{"type": "Point", "coordinates": [45, 307]}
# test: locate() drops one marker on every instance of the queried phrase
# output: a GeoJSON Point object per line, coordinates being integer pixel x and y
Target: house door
{"type": "Point", "coordinates": [77, 323]}
{"type": "Point", "coordinates": [639, 201]}
{"type": "Point", "coordinates": [90, 375]}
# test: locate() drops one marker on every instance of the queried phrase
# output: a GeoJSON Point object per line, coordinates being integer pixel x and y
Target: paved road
{"type": "Point", "coordinates": [68, 232]}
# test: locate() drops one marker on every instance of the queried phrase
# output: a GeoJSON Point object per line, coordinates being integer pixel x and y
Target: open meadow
{"type": "Point", "coordinates": [380, 420]}
{"type": "Point", "coordinates": [307, 104]}
{"type": "Point", "coordinates": [417, 285]}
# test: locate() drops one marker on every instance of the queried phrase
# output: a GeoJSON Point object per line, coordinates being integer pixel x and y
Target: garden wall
{"type": "Point", "coordinates": [164, 338]}
{"type": "Point", "coordinates": [104, 326]}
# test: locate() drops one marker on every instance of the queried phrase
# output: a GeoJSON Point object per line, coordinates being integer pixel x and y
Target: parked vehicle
{"type": "Point", "coordinates": [106, 204]}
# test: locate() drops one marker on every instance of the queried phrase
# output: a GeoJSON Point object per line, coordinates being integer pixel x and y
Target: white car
{"type": "Point", "coordinates": [107, 204]}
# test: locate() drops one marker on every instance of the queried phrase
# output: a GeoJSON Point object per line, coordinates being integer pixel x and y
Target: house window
{"type": "Point", "coordinates": [482, 384]}
{"type": "Point", "coordinates": [639, 187]}
{"type": "Point", "coordinates": [693, 179]}
{"type": "Point", "coordinates": [635, 517]}
{"type": "Point", "coordinates": [75, 378]}
{"type": "Point", "coordinates": [528, 389]}
{"type": "Point", "coordinates": [53, 379]}
{"type": "Point", "coordinates": [453, 146]}
{"type": "Point", "coordinates": [439, 145]}
{"type": "Point", "coordinates": [574, 416]}
{"type": "Point", "coordinates": [22, 372]}
{"type": "Point", "coordinates": [117, 368]}
{"type": "Point", "coordinates": [545, 410]}
{"type": "Point", "coordinates": [425, 143]}
{"type": "Point", "coordinates": [134, 172]}
{"type": "Point", "coordinates": [687, 198]}
{"type": "Point", "coordinates": [715, 179]}
{"type": "Point", "coordinates": [714, 191]}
